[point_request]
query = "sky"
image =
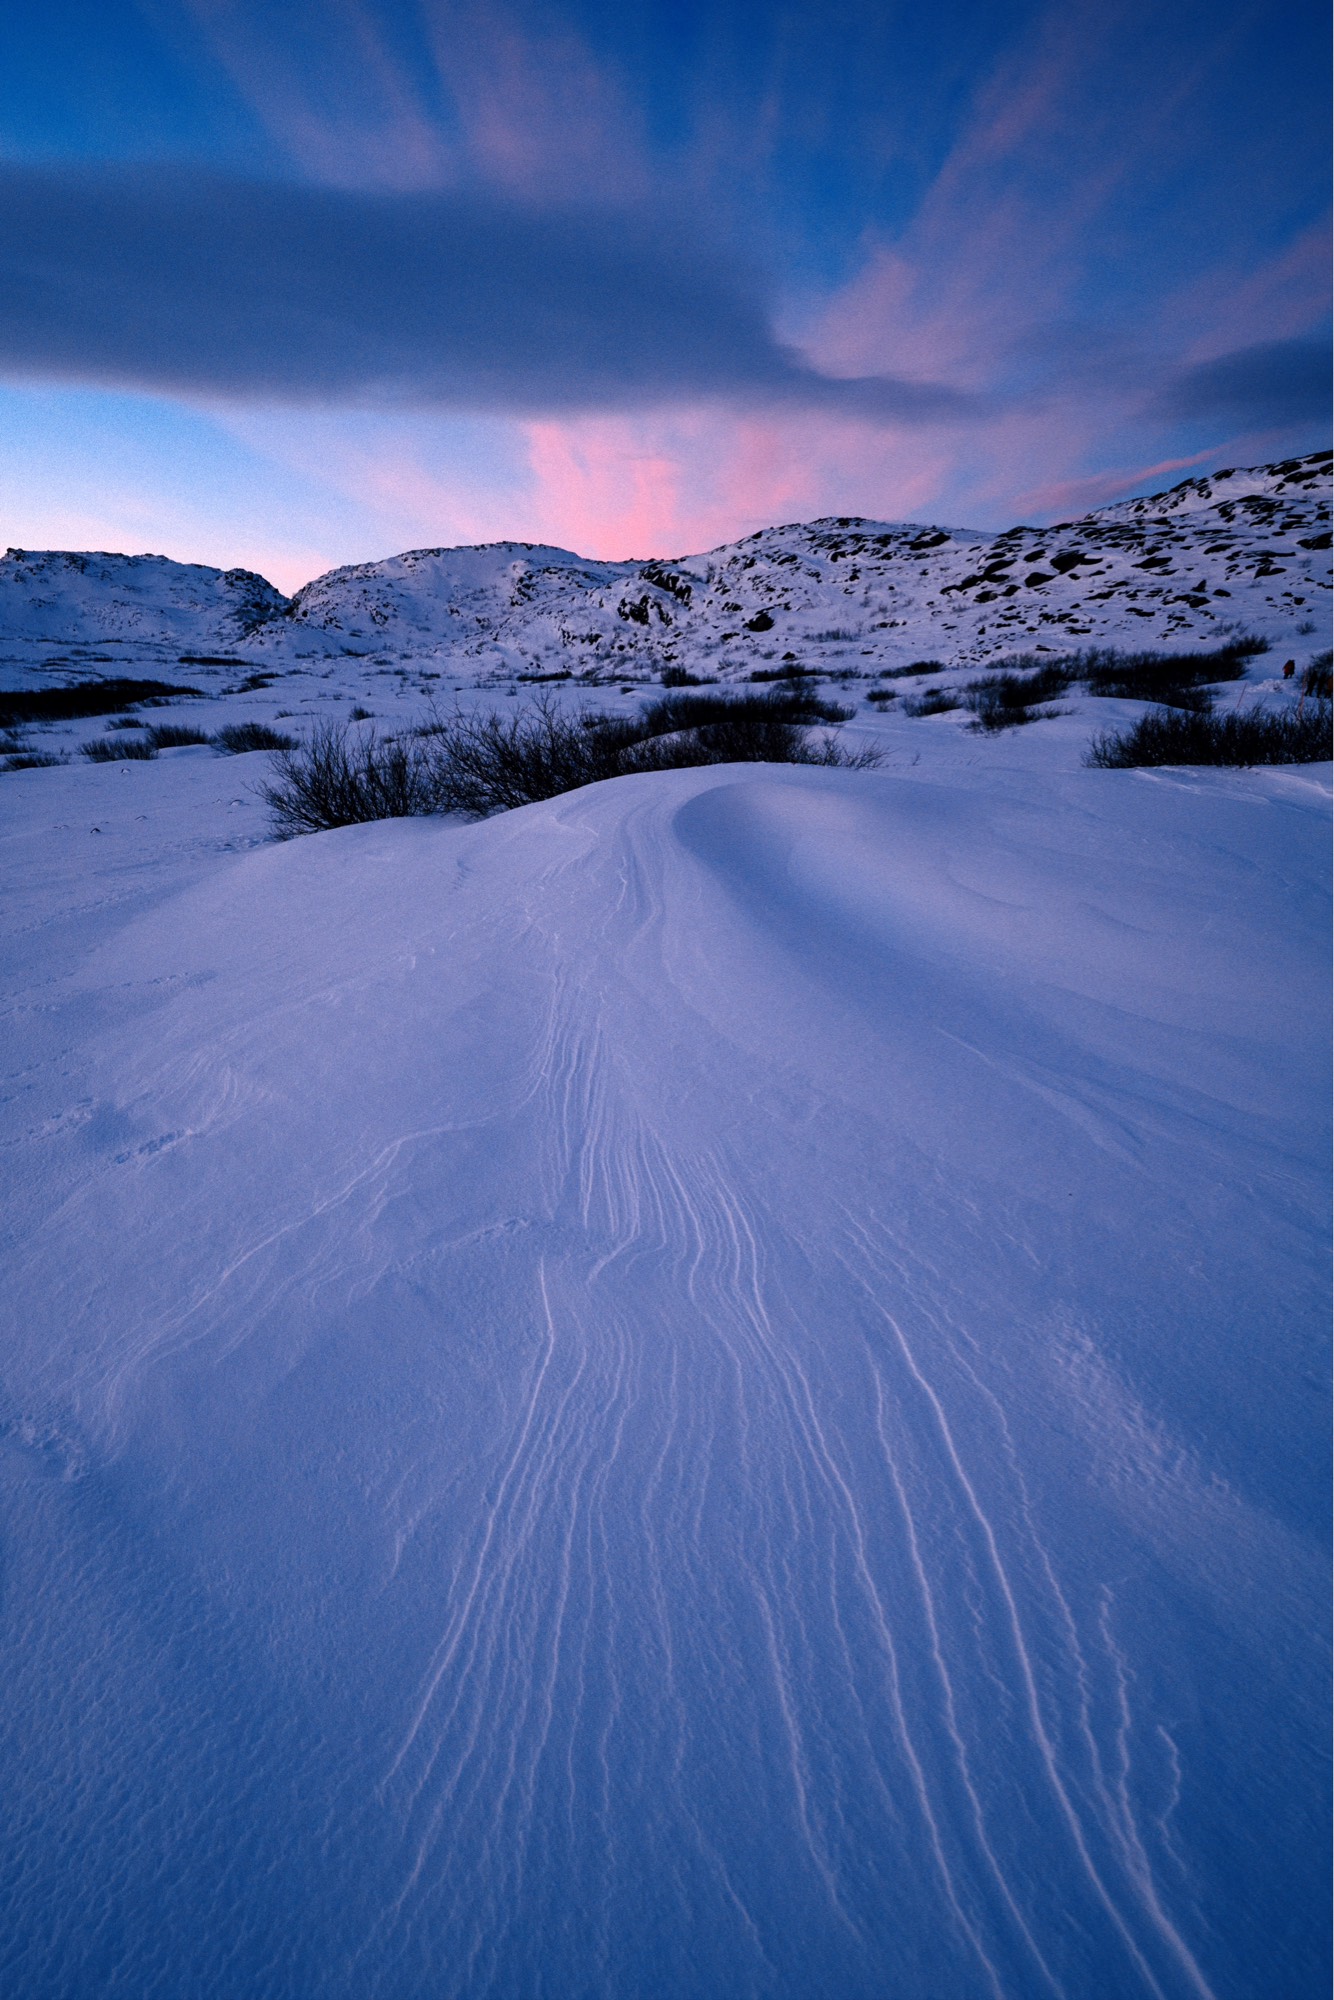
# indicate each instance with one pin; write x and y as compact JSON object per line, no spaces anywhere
{"x":286,"y":284}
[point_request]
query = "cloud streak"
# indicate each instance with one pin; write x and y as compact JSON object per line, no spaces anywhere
{"x":199,"y":283}
{"x":1254,"y":388}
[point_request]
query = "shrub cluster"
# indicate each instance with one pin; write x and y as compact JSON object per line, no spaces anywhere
{"x":1004,"y":700}
{"x":238,"y":737}
{"x":341,"y":779}
{"x":936,"y":701}
{"x":1246,"y":736}
{"x":175,"y":735}
{"x":1318,"y":679}
{"x":483,"y":763}
{"x":1017,"y":692}
{"x":119,"y":749}
{"x":793,"y":702}
{"x":1175,"y":679}
{"x":234,"y":740}
{"x":69,"y":704}
{"x":791,"y":670}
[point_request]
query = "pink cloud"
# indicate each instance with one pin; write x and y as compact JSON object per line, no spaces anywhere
{"x":1070,"y":498}
{"x":1279,"y":298}
{"x":671,"y":485}
{"x":539,"y":114}
{"x":1025,"y":208}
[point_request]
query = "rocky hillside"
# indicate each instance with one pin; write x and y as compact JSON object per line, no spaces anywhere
{"x":1241,"y":548}
{"x":1246,"y":550}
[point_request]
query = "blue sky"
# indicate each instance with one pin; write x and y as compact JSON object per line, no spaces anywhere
{"x":293,"y":285}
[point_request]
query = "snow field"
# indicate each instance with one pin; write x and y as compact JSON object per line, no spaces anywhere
{"x":712,"y":1387}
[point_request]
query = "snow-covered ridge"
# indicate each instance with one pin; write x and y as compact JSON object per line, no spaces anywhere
{"x":1233,"y":550}
{"x":59,"y":595}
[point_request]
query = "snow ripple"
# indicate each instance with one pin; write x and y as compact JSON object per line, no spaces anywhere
{"x":632,"y":1473}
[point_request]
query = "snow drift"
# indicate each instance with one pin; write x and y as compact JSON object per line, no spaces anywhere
{"x":709,"y":1388}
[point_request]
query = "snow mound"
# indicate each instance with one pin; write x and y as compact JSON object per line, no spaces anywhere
{"x":702,"y":1389}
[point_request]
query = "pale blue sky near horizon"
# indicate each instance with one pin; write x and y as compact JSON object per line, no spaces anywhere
{"x":290,"y":286}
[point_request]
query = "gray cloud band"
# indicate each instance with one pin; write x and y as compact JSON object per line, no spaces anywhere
{"x":176,"y":280}
{"x":1276,"y":383}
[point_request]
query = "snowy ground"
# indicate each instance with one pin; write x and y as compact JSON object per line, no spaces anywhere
{"x":713,"y":1388}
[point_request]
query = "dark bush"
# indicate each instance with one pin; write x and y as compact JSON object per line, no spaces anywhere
{"x":1004,"y":700}
{"x":337,"y":779}
{"x":1172,"y":678}
{"x":741,"y":738}
{"x":937,"y":701}
{"x":679,"y":677}
{"x":118,"y":750}
{"x":175,"y":735}
{"x":689,"y":711}
{"x":1246,"y":736}
{"x":70,"y":704}
{"x":491,"y":763}
{"x":34,"y":760}
{"x":922,"y":667}
{"x":882,"y":695}
{"x":1318,"y":678}
{"x":239,"y":737}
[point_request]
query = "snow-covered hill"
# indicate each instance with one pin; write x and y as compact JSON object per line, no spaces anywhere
{"x":1248,"y":548}
{"x":58,"y":597}
{"x":713,"y":1388}
{"x":1235,"y":551}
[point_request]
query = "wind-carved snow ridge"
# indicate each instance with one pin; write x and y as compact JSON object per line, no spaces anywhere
{"x":1121,"y":1882}
{"x":1239,"y":551}
{"x":714,"y":1394}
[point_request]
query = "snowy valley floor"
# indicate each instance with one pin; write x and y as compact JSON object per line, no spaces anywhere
{"x":716,"y":1388}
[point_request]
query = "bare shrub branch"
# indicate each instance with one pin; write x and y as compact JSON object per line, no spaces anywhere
{"x":337,"y":779}
{"x":477,"y":764}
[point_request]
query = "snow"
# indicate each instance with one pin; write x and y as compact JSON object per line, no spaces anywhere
{"x":714,"y":1387}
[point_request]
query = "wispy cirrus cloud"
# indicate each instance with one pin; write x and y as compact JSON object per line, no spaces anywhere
{"x":450,"y":91}
{"x":325,"y":81}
